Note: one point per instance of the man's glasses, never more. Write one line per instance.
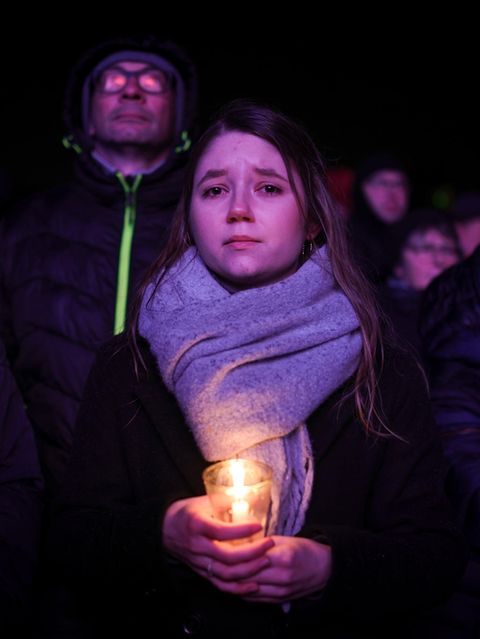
(150, 80)
(431, 250)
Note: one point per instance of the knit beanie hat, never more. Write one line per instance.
(382, 161)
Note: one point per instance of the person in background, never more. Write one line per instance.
(381, 197)
(254, 335)
(71, 256)
(21, 501)
(465, 213)
(450, 331)
(427, 246)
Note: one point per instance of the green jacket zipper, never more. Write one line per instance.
(125, 253)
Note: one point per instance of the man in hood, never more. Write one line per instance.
(73, 256)
(381, 198)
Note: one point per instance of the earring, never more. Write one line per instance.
(307, 248)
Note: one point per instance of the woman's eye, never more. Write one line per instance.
(213, 191)
(270, 188)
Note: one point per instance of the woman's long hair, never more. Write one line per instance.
(300, 154)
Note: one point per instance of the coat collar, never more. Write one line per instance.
(169, 423)
(330, 419)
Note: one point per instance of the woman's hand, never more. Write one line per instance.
(298, 567)
(193, 536)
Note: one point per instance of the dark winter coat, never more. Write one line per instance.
(377, 502)
(21, 489)
(450, 328)
(60, 261)
(401, 305)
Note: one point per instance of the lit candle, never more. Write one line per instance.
(240, 506)
(239, 511)
(239, 491)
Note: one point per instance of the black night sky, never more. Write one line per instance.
(416, 95)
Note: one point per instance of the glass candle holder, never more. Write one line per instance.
(239, 491)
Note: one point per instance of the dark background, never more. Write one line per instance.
(413, 93)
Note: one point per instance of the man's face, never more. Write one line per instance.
(387, 194)
(132, 116)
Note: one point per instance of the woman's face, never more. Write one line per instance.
(244, 216)
(425, 255)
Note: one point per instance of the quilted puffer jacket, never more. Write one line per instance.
(73, 256)
(450, 328)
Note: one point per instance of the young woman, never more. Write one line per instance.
(256, 336)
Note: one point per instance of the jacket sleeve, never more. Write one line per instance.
(20, 496)
(408, 556)
(457, 412)
(450, 326)
(101, 531)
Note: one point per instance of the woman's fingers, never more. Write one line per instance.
(222, 531)
(191, 534)
(223, 563)
(196, 512)
(298, 567)
(231, 554)
(241, 570)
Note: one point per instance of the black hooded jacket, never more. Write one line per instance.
(450, 328)
(59, 271)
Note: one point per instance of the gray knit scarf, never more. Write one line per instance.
(249, 368)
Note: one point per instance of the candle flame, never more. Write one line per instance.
(240, 506)
(238, 478)
(238, 473)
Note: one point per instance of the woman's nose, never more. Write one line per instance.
(240, 210)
